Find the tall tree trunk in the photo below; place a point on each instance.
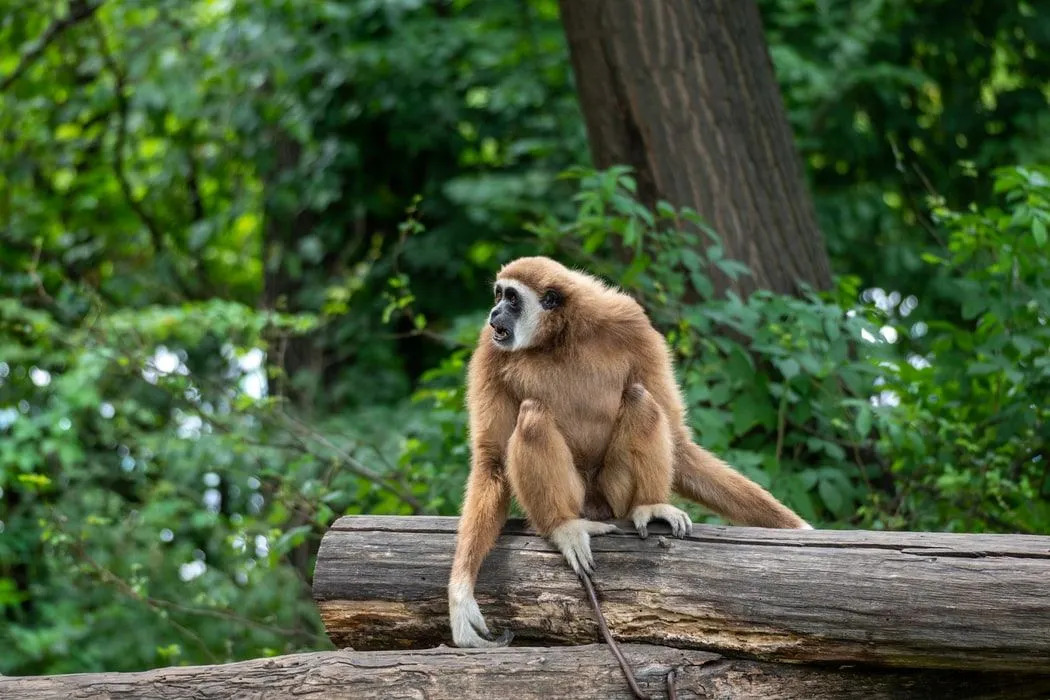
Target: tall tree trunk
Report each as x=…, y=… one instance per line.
x=684, y=92
x=284, y=226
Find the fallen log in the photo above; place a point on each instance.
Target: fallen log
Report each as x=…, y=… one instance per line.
x=582, y=673
x=914, y=600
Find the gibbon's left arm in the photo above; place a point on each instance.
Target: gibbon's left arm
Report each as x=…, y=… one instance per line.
x=485, y=506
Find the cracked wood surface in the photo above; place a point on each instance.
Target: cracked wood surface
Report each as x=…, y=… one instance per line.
x=582, y=673
x=918, y=600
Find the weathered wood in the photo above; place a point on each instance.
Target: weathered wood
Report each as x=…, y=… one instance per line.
x=522, y=673
x=920, y=600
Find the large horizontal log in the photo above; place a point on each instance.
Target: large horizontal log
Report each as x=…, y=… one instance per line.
x=920, y=600
x=522, y=673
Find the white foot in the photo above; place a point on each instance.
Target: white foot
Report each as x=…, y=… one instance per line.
x=573, y=538
x=468, y=624
x=680, y=523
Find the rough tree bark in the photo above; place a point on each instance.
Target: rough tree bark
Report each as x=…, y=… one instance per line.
x=684, y=92
x=914, y=600
x=581, y=673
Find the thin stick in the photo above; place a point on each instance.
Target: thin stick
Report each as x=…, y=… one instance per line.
x=672, y=691
x=624, y=666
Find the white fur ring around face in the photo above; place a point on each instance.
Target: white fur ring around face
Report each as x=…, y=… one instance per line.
x=573, y=538
x=680, y=523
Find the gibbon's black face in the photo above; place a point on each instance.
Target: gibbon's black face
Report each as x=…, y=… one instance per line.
x=518, y=314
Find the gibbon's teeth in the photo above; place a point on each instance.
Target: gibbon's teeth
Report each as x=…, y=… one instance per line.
x=500, y=333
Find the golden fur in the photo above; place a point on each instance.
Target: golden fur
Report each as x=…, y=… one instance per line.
x=585, y=422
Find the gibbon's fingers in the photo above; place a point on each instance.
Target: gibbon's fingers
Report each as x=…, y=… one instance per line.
x=573, y=539
x=596, y=528
x=467, y=622
x=679, y=521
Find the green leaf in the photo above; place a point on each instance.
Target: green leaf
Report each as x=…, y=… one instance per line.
x=832, y=497
x=789, y=367
x=863, y=421
x=1039, y=231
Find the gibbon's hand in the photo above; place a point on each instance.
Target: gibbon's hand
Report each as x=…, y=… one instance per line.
x=679, y=521
x=468, y=624
x=573, y=538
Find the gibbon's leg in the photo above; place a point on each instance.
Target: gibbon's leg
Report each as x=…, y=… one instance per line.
x=702, y=477
x=548, y=487
x=637, y=473
x=484, y=513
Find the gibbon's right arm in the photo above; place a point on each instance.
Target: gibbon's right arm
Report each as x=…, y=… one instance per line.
x=485, y=506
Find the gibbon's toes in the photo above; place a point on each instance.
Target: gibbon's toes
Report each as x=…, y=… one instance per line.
x=682, y=525
x=573, y=539
x=679, y=521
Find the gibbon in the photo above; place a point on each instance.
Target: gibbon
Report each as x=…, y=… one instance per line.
x=574, y=409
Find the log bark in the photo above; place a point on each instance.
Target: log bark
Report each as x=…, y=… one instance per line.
x=581, y=673
x=684, y=92
x=919, y=600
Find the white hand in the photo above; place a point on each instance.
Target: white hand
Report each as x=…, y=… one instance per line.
x=468, y=624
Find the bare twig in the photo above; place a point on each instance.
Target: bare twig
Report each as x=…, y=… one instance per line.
x=352, y=464
x=613, y=646
x=79, y=10
x=119, y=165
x=108, y=577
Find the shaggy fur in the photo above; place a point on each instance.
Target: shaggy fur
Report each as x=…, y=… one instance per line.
x=580, y=416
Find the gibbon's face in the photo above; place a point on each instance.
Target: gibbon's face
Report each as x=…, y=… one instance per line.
x=522, y=317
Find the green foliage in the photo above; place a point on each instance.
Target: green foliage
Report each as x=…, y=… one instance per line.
x=845, y=410
x=974, y=390
x=893, y=101
x=237, y=238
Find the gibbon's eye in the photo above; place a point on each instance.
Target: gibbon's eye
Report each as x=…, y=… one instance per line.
x=550, y=299
x=511, y=295
x=498, y=293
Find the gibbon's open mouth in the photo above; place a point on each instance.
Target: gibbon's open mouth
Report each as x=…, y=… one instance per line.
x=500, y=334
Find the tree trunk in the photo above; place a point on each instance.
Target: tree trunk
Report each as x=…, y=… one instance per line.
x=684, y=92
x=902, y=599
x=582, y=673
x=284, y=226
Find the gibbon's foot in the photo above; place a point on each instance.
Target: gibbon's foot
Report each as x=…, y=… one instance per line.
x=573, y=538
x=680, y=523
x=468, y=624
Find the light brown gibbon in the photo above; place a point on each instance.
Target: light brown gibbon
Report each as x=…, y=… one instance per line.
x=574, y=409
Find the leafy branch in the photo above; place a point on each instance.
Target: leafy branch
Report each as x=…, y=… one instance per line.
x=119, y=164
x=79, y=10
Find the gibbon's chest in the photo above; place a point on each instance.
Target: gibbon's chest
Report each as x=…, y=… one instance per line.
x=583, y=397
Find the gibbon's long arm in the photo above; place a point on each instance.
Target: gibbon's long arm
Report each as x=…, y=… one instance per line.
x=484, y=513
x=485, y=507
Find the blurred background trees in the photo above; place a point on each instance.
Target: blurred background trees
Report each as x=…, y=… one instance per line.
x=245, y=250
